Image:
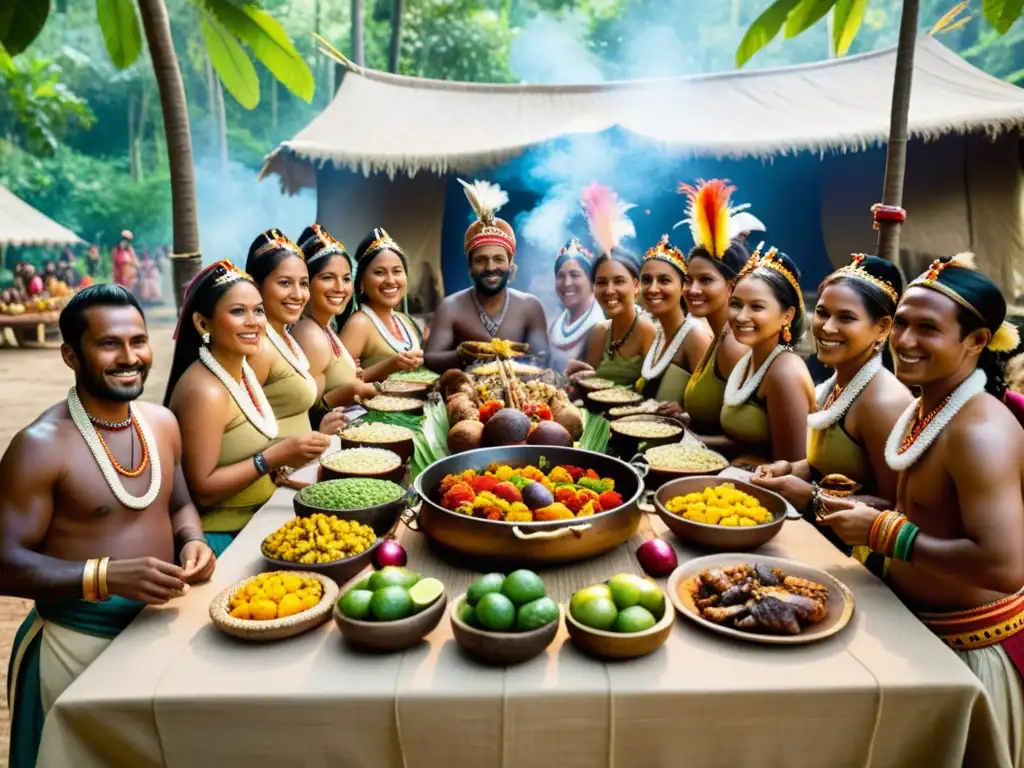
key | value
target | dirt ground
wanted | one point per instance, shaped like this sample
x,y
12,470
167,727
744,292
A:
x,y
30,382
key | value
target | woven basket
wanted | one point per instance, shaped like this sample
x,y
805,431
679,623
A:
x,y
274,629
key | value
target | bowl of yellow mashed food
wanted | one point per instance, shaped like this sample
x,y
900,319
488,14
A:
x,y
274,605
720,513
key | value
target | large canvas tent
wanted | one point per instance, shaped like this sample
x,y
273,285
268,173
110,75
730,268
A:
x,y
21,224
385,150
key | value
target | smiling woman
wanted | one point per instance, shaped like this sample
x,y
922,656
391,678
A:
x,y
228,427
580,312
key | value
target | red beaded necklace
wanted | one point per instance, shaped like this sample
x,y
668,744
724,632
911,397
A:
x,y
920,424
120,468
252,395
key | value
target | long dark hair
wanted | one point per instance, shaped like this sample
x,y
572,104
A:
x,y
876,300
373,245
202,295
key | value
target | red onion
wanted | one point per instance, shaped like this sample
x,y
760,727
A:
x,y
657,557
389,553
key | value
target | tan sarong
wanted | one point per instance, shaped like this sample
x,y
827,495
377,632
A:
x,y
1005,688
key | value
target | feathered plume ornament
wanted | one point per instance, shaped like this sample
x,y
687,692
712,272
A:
x,y
485,198
606,216
708,214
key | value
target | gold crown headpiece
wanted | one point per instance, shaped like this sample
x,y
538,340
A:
x,y
384,240
331,247
665,251
230,274
856,271
1006,337
276,241
771,260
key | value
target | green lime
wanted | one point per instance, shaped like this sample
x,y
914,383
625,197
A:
x,y
362,584
596,612
393,576
484,586
425,592
495,612
597,590
652,598
634,619
625,591
536,614
522,587
390,604
467,615
356,603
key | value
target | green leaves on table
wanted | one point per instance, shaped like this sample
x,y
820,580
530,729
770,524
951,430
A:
x,y
431,442
596,432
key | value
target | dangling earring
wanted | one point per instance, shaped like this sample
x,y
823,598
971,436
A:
x,y
206,339
787,336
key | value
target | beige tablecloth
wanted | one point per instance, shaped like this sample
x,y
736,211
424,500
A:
x,y
173,691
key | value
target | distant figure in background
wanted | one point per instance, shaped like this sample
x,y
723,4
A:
x,y
50,270
490,309
66,271
126,263
92,262
580,311
150,290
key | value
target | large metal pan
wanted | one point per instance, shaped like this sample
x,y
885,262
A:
x,y
529,543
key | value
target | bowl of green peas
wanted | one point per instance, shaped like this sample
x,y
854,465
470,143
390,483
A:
x,y
370,501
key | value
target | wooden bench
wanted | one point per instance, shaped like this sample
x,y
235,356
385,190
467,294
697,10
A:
x,y
37,330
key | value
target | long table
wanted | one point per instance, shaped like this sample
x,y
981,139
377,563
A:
x,y
174,691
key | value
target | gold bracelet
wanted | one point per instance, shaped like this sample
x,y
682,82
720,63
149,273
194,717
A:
x,y
101,579
89,587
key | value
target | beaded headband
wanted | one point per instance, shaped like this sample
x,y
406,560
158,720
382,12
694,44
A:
x,y
665,251
574,249
276,241
383,241
1006,337
856,271
331,246
771,261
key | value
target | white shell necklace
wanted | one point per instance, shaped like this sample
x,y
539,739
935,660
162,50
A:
x,y
658,357
406,344
565,335
292,352
85,427
248,397
738,395
828,416
898,462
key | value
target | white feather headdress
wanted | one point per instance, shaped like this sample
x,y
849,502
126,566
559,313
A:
x,y
485,198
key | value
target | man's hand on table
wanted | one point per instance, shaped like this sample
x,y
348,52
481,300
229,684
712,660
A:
x,y
198,560
796,491
851,520
147,580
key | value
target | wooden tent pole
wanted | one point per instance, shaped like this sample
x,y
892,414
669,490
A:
x,y
896,150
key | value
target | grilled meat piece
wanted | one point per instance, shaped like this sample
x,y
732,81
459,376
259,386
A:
x,y
767,576
726,615
717,580
808,611
738,593
810,589
771,615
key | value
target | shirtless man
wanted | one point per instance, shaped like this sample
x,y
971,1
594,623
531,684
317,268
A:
x,y
960,456
92,539
490,309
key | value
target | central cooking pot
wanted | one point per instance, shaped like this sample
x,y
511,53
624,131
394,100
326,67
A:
x,y
529,543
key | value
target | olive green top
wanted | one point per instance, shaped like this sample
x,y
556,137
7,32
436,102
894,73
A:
x,y
377,349
340,371
747,424
241,441
291,395
831,451
705,392
624,371
672,386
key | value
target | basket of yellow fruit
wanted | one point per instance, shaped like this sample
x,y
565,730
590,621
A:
x,y
321,543
275,605
720,513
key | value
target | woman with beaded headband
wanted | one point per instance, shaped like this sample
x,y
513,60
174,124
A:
x,y
712,266
228,429
681,340
770,392
580,312
336,373
380,335
278,267
859,405
617,347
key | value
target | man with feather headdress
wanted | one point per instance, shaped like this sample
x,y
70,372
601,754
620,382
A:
x,y
490,309
956,543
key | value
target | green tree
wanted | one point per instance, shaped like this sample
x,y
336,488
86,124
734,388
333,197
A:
x,y
36,107
226,26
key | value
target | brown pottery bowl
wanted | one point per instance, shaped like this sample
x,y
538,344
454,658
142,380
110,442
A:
x,y
500,648
391,636
620,645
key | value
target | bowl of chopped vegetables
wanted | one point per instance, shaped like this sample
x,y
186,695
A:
x,y
372,502
329,545
378,463
376,435
720,513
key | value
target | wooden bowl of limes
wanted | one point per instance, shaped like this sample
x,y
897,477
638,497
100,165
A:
x,y
499,648
396,608
618,641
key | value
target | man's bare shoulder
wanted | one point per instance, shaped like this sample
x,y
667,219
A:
x,y
37,440
456,300
986,424
527,299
